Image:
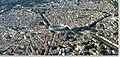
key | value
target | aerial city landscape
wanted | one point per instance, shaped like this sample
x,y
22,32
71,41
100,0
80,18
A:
x,y
59,27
